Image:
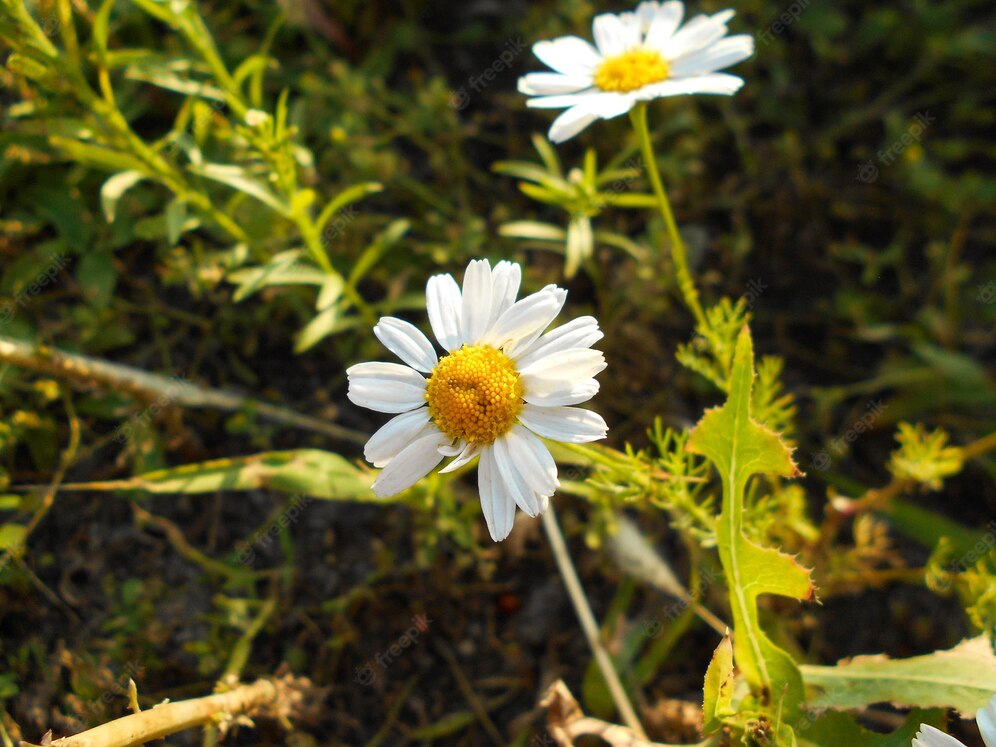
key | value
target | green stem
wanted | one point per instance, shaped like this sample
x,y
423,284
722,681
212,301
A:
x,y
638,115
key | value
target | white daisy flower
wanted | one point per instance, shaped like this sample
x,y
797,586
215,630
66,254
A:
x,y
636,57
986,720
928,736
501,386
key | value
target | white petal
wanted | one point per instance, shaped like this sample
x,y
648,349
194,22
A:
x,y
613,36
585,107
646,12
526,468
524,320
467,454
505,279
570,123
553,394
407,342
442,302
699,32
665,22
713,83
452,449
533,461
725,52
549,84
564,366
582,332
986,718
571,55
928,736
476,309
496,502
413,463
570,425
385,387
565,101
392,437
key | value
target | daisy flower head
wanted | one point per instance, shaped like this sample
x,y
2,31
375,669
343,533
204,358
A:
x,y
501,385
636,57
928,736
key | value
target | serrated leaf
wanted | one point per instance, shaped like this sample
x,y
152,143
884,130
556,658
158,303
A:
x,y
740,448
963,678
311,472
717,701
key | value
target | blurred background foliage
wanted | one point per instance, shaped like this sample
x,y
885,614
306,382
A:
x,y
304,173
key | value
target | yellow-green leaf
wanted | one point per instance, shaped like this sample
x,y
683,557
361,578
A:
x,y
740,448
311,472
963,678
718,691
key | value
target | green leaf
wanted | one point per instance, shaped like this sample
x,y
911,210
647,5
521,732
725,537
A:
x,y
580,244
11,536
717,701
529,229
312,472
96,155
963,678
835,728
347,197
740,448
547,153
928,527
98,278
175,216
101,22
330,292
237,178
116,186
317,330
282,269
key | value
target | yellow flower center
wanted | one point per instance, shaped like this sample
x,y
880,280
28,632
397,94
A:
x,y
474,393
631,70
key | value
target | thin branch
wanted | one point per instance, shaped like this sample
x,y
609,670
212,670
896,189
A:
x,y
153,386
271,697
587,619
